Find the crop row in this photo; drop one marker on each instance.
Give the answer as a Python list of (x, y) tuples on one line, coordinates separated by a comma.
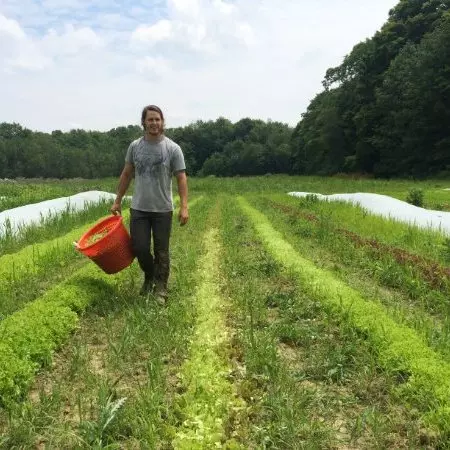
[(424, 379), (437, 275), (30, 336)]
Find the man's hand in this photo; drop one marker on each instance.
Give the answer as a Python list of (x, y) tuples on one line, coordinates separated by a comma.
[(183, 216), (116, 208)]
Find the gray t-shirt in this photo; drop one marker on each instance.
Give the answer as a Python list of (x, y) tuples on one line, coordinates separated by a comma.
[(154, 165)]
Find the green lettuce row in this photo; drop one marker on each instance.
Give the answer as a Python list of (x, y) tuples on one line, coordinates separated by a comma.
[(30, 336), (424, 378), (209, 397), (15, 374)]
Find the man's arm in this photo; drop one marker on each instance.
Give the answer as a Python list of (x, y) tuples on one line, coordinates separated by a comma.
[(124, 182), (183, 215)]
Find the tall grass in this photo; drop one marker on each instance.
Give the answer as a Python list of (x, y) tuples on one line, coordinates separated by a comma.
[(400, 285), (423, 242), (114, 384), (310, 380), (423, 374)]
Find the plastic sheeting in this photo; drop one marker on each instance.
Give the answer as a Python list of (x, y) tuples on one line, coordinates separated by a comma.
[(392, 208), (35, 212)]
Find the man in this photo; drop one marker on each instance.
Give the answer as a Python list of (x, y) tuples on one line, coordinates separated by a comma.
[(153, 159)]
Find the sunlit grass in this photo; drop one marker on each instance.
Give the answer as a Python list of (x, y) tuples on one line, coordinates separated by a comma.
[(400, 349), (311, 380), (137, 375), (112, 382)]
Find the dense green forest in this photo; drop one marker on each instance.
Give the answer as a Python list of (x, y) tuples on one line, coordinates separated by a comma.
[(248, 147), (384, 111)]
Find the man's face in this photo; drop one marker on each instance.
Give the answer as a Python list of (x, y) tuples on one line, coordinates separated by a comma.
[(153, 123)]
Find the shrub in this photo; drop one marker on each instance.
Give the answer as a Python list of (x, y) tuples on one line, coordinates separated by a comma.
[(415, 197)]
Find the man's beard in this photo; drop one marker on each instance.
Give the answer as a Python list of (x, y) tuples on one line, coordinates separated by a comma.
[(154, 132)]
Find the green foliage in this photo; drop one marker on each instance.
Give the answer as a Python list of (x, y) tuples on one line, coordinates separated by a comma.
[(248, 147), (15, 374), (385, 109), (32, 334), (94, 432), (446, 249), (37, 330), (425, 377), (209, 396), (415, 197)]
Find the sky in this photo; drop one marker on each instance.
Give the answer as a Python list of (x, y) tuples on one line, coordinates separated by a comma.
[(68, 64)]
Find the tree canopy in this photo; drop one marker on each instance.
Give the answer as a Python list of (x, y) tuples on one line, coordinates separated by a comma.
[(386, 109), (221, 148)]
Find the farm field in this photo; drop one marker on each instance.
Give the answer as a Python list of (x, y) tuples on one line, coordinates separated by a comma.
[(291, 323)]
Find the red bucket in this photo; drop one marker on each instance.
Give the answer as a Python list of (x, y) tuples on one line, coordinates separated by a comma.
[(108, 244)]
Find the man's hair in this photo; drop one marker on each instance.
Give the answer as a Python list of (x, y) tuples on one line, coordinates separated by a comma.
[(151, 108)]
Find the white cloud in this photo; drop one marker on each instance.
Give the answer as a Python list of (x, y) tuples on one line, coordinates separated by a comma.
[(17, 50), (28, 59), (10, 28), (203, 26), (36, 54), (186, 8), (151, 34), (71, 41), (245, 33), (223, 7), (198, 59), (150, 66)]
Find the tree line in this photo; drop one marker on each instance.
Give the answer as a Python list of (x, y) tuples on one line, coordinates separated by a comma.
[(384, 111), (247, 147)]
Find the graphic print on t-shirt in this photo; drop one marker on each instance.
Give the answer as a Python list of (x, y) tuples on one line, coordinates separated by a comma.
[(150, 163)]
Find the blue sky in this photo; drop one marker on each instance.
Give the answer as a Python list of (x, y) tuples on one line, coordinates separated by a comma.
[(69, 64)]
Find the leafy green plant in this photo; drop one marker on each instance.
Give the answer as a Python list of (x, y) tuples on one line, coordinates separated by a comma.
[(415, 197), (400, 349), (209, 398), (33, 333), (94, 431)]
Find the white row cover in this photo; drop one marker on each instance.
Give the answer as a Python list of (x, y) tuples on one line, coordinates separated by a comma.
[(392, 208), (33, 213)]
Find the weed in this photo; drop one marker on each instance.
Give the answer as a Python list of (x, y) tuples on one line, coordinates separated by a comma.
[(94, 432), (415, 197)]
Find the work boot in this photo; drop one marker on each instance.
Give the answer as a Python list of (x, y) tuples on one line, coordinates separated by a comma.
[(147, 286), (161, 294)]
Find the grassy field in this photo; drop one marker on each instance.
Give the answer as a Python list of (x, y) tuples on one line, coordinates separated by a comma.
[(291, 323)]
